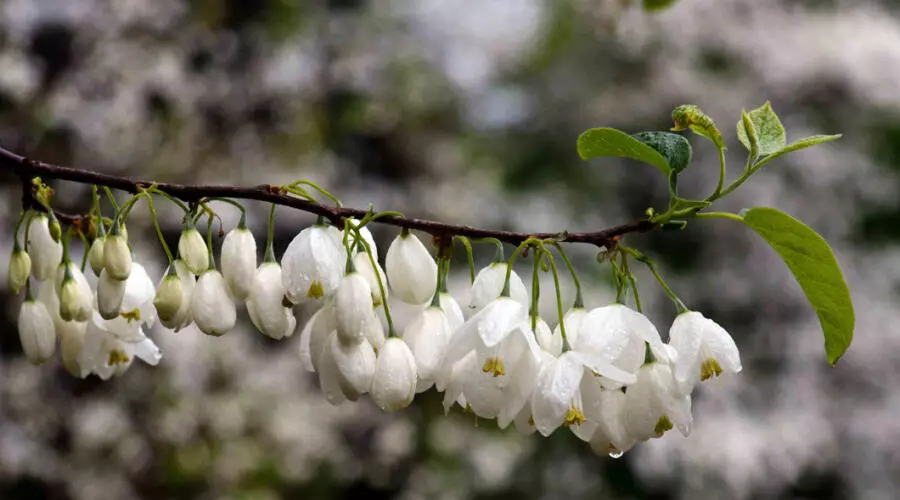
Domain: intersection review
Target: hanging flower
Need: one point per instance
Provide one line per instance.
(394, 381)
(238, 258)
(182, 317)
(105, 353)
(74, 292)
(44, 251)
(427, 336)
(550, 341)
(345, 371)
(489, 282)
(211, 306)
(411, 270)
(193, 250)
(70, 333)
(313, 264)
(611, 436)
(95, 254)
(572, 321)
(363, 266)
(265, 303)
(116, 254)
(314, 336)
(110, 294)
(19, 269)
(137, 307)
(654, 404)
(704, 350)
(36, 331)
(619, 334)
(353, 308)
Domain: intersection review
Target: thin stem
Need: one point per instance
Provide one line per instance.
(512, 261)
(299, 191)
(579, 299)
(181, 205)
(87, 249)
(652, 267)
(25, 214)
(159, 233)
(559, 302)
(270, 238)
(441, 265)
(468, 246)
(633, 281)
(229, 201)
(387, 310)
(122, 213)
(719, 215)
(31, 215)
(209, 226)
(718, 192)
(315, 186)
(535, 288)
(112, 199)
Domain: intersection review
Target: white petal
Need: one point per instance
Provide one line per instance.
(45, 253)
(356, 364)
(452, 310)
(411, 270)
(71, 342)
(394, 380)
(554, 393)
(36, 332)
(601, 366)
(489, 283)
(314, 337)
(497, 319)
(313, 264)
(264, 303)
(353, 308)
(427, 336)
(211, 307)
(363, 266)
(329, 378)
(238, 258)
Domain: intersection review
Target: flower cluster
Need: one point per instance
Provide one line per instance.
(603, 373)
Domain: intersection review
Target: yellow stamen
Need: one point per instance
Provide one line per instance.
(132, 315)
(710, 368)
(574, 417)
(116, 357)
(315, 290)
(662, 425)
(494, 366)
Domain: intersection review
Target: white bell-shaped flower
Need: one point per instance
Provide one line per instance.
(363, 266)
(313, 264)
(74, 292)
(489, 282)
(314, 336)
(557, 399)
(704, 350)
(411, 270)
(452, 311)
(110, 294)
(238, 259)
(36, 331)
(394, 380)
(137, 307)
(655, 404)
(549, 340)
(572, 321)
(193, 250)
(427, 336)
(620, 334)
(95, 254)
(366, 234)
(44, 251)
(345, 371)
(19, 269)
(353, 308)
(105, 353)
(116, 254)
(265, 303)
(169, 296)
(211, 306)
(70, 333)
(611, 436)
(71, 343)
(517, 394)
(182, 317)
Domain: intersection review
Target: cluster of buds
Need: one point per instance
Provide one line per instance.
(603, 373)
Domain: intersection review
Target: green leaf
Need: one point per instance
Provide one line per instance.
(809, 257)
(689, 116)
(749, 130)
(673, 147)
(654, 5)
(685, 204)
(598, 142)
(769, 131)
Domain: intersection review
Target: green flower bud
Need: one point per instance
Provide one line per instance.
(95, 255)
(169, 296)
(193, 250)
(117, 257)
(19, 269)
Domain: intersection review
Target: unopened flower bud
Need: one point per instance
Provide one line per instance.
(239, 262)
(211, 306)
(117, 256)
(168, 299)
(110, 293)
(193, 250)
(36, 331)
(394, 381)
(44, 251)
(95, 255)
(19, 269)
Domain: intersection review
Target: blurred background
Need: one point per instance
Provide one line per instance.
(465, 111)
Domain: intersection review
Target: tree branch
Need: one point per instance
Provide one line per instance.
(26, 169)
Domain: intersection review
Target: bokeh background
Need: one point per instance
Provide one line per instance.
(466, 111)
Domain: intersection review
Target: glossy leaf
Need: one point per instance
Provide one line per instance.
(769, 131)
(673, 147)
(599, 142)
(814, 266)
